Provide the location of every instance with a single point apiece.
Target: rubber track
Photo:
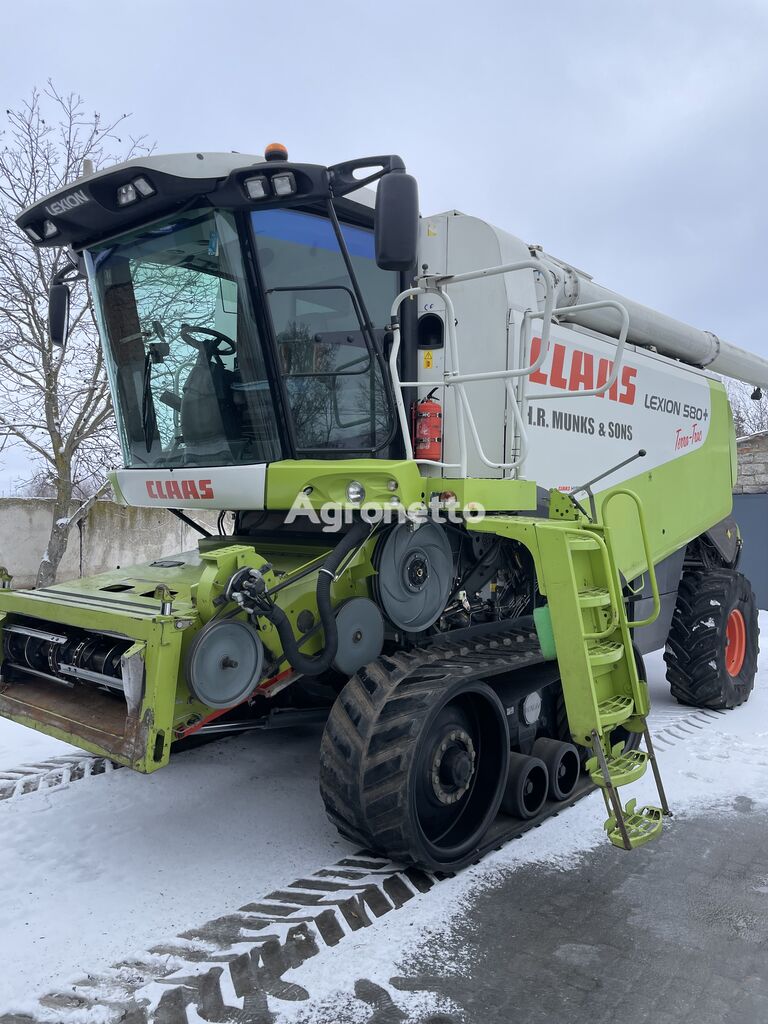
(246, 953)
(363, 763)
(54, 773)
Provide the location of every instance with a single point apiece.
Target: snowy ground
(102, 870)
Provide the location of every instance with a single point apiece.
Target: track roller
(563, 764)
(527, 786)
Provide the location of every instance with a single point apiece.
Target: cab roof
(89, 209)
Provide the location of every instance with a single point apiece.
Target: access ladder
(601, 685)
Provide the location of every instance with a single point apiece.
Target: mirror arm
(73, 269)
(343, 179)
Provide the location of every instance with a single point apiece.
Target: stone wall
(753, 465)
(111, 536)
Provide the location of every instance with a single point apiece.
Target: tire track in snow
(231, 967)
(52, 774)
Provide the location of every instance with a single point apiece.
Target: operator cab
(242, 306)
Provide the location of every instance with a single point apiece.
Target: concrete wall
(753, 465)
(110, 536)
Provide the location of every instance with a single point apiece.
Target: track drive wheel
(711, 651)
(415, 767)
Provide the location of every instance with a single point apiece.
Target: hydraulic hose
(313, 665)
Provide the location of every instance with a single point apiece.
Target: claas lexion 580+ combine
(467, 489)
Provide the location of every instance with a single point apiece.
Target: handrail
(614, 492)
(453, 378)
(436, 286)
(620, 344)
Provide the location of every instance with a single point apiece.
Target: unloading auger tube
(247, 589)
(651, 329)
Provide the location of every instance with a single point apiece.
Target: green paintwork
(586, 616)
(642, 826)
(123, 602)
(681, 499)
(384, 481)
(623, 768)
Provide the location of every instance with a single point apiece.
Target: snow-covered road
(109, 866)
(99, 872)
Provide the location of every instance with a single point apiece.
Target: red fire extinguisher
(428, 428)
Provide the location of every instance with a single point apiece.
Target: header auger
(401, 413)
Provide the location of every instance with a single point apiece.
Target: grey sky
(627, 138)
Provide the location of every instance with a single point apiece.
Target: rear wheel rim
(735, 642)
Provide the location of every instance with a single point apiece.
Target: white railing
(454, 379)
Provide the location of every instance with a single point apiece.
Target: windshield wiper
(148, 414)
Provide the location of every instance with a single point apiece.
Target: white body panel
(223, 487)
(452, 243)
(657, 404)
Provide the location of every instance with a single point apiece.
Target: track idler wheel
(562, 763)
(527, 786)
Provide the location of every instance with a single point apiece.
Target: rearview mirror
(58, 314)
(396, 224)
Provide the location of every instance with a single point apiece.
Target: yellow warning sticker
(428, 359)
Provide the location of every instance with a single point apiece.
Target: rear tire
(712, 648)
(415, 767)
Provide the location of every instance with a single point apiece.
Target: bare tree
(750, 415)
(55, 404)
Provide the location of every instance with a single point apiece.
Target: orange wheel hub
(735, 642)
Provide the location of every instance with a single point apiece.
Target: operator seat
(209, 418)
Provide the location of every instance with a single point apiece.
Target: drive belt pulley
(415, 575)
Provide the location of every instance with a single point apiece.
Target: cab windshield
(199, 366)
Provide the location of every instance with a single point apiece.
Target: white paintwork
(656, 405)
(221, 487)
(489, 315)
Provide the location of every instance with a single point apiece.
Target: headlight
(126, 195)
(355, 492)
(258, 187)
(284, 184)
(144, 188)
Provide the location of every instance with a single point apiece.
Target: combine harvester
(469, 488)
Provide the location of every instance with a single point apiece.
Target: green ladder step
(642, 826)
(615, 710)
(594, 597)
(623, 768)
(605, 652)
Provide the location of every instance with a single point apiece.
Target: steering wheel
(213, 342)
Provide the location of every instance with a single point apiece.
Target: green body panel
(384, 481)
(681, 499)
